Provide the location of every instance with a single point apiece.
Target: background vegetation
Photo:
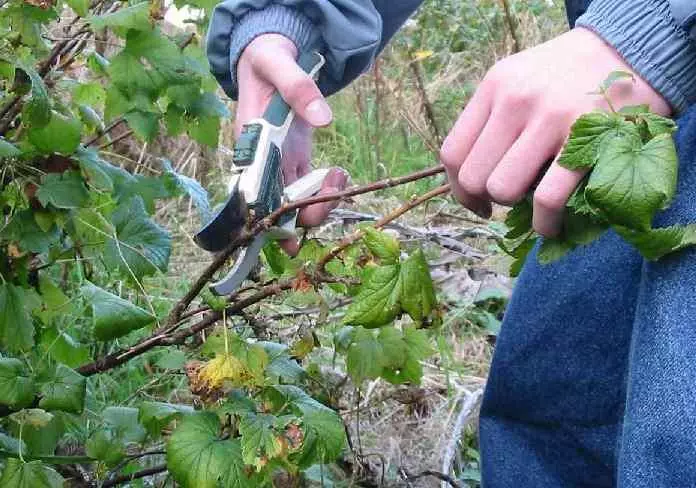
(118, 368)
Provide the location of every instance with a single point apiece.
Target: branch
(167, 334)
(265, 224)
(348, 241)
(429, 473)
(134, 476)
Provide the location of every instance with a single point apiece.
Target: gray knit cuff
(649, 39)
(274, 19)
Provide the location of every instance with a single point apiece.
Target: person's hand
(520, 116)
(266, 65)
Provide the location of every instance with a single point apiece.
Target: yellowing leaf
(421, 55)
(224, 367)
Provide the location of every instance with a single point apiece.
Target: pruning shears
(256, 187)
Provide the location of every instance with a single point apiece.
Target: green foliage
(34, 474)
(113, 316)
(85, 275)
(632, 174)
(198, 457)
(391, 289)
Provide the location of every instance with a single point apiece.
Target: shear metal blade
(226, 224)
(245, 262)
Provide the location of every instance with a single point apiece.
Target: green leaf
(377, 302)
(520, 254)
(65, 190)
(615, 76)
(90, 117)
(259, 438)
(280, 364)
(155, 416)
(365, 358)
(80, 7)
(10, 444)
(205, 130)
(54, 302)
(123, 421)
(658, 125)
(113, 316)
(632, 181)
(34, 474)
(95, 169)
(417, 343)
(382, 245)
(63, 348)
(91, 93)
(172, 359)
(145, 125)
(133, 17)
(198, 458)
(24, 230)
(37, 110)
(324, 429)
(553, 249)
(16, 325)
(393, 347)
(42, 441)
(105, 446)
(64, 391)
(417, 292)
(188, 186)
(140, 245)
(519, 219)
(60, 135)
(16, 385)
(7, 149)
(657, 243)
(587, 136)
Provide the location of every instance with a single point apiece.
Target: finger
(314, 215)
(297, 151)
(290, 246)
(519, 168)
(551, 196)
(459, 142)
(254, 96)
(498, 136)
(296, 87)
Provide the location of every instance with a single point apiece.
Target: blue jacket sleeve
(351, 33)
(656, 37)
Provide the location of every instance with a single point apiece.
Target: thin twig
(446, 479)
(134, 476)
(348, 241)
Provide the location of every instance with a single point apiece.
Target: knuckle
(448, 155)
(549, 200)
(502, 192)
(473, 186)
(516, 101)
(300, 91)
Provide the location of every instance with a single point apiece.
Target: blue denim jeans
(593, 381)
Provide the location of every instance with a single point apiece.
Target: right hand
(268, 64)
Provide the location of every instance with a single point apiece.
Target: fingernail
(318, 113)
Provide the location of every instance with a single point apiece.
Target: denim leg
(659, 433)
(555, 396)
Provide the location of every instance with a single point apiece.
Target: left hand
(520, 117)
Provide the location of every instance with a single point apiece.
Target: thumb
(296, 87)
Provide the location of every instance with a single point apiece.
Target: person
(593, 380)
